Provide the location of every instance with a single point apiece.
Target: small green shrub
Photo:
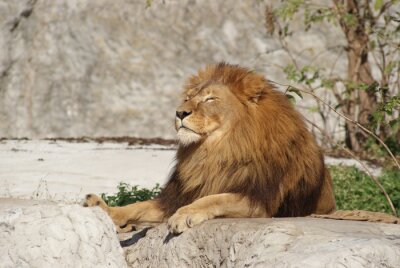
(354, 189)
(128, 194)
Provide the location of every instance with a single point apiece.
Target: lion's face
(206, 113)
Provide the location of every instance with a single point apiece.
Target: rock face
(58, 236)
(295, 242)
(111, 68)
(49, 235)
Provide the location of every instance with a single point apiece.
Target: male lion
(244, 151)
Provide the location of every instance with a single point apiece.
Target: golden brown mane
(269, 156)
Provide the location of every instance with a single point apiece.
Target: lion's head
(215, 100)
(206, 112)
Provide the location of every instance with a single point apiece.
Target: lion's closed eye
(210, 99)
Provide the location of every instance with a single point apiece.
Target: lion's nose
(182, 114)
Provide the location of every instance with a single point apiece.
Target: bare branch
(383, 9)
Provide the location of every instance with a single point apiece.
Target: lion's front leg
(147, 211)
(209, 207)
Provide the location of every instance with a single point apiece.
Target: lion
(244, 152)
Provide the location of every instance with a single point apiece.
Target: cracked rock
(58, 236)
(285, 242)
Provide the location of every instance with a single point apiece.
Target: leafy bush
(128, 194)
(354, 189)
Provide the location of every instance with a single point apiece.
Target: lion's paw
(92, 200)
(184, 219)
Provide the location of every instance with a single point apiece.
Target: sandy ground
(11, 203)
(66, 171)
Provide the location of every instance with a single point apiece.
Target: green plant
(370, 30)
(354, 189)
(128, 194)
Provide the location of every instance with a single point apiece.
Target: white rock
(35, 240)
(8, 217)
(286, 242)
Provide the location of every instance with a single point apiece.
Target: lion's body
(244, 152)
(269, 156)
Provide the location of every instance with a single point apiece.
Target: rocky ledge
(286, 242)
(50, 235)
(69, 236)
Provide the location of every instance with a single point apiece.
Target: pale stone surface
(57, 236)
(295, 242)
(93, 68)
(41, 234)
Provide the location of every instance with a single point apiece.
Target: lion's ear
(256, 94)
(256, 98)
(254, 87)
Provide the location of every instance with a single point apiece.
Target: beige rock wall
(94, 68)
